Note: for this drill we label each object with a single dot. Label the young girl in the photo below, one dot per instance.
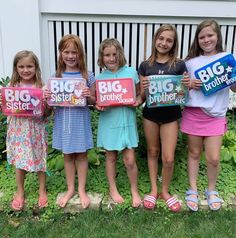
(204, 118)
(72, 133)
(117, 130)
(26, 136)
(161, 123)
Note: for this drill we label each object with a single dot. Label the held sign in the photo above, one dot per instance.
(26, 102)
(165, 90)
(217, 75)
(66, 92)
(115, 92)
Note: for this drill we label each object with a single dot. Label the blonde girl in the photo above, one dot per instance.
(26, 136)
(117, 129)
(161, 123)
(204, 119)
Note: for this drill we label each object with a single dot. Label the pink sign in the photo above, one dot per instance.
(26, 102)
(115, 92)
(66, 92)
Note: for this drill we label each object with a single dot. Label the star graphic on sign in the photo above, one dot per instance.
(124, 90)
(178, 88)
(229, 69)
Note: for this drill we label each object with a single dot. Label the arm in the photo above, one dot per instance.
(144, 84)
(233, 88)
(89, 93)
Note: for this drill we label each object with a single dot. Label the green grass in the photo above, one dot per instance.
(123, 221)
(130, 224)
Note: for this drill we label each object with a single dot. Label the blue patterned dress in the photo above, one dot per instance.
(72, 131)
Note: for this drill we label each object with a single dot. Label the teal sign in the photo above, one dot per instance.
(166, 90)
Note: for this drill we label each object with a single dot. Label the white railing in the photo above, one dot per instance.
(136, 37)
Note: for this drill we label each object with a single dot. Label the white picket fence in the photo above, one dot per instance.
(136, 37)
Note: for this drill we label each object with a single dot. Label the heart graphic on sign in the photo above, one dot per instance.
(78, 92)
(35, 102)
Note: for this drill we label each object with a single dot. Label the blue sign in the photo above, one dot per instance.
(217, 75)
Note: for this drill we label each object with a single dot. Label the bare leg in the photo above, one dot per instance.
(43, 198)
(212, 148)
(82, 170)
(132, 171)
(169, 135)
(195, 146)
(20, 179)
(111, 157)
(69, 164)
(152, 130)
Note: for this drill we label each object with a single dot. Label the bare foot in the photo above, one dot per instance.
(136, 200)
(116, 197)
(85, 200)
(63, 201)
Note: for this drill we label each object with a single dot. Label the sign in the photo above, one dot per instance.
(165, 90)
(115, 92)
(18, 101)
(66, 92)
(217, 75)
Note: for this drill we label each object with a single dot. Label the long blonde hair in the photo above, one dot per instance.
(15, 78)
(173, 53)
(119, 50)
(195, 50)
(63, 44)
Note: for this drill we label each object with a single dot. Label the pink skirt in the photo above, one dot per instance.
(196, 122)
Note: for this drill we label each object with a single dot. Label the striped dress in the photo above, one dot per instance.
(72, 131)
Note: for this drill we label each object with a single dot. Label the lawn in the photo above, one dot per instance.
(123, 221)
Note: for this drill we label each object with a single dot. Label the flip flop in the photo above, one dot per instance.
(42, 202)
(212, 200)
(173, 204)
(192, 196)
(17, 204)
(149, 201)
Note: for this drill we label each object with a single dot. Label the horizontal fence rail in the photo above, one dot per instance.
(136, 39)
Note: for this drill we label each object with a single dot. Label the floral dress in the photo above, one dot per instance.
(27, 143)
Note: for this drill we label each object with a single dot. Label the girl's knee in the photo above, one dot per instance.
(168, 162)
(129, 162)
(153, 153)
(194, 154)
(215, 161)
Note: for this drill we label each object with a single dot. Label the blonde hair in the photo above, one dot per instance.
(119, 50)
(63, 44)
(173, 53)
(195, 49)
(15, 78)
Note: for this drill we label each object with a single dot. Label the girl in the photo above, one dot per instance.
(204, 118)
(26, 136)
(161, 123)
(72, 133)
(117, 130)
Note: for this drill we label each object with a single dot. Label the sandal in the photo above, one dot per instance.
(192, 196)
(17, 204)
(173, 204)
(149, 201)
(42, 202)
(213, 197)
